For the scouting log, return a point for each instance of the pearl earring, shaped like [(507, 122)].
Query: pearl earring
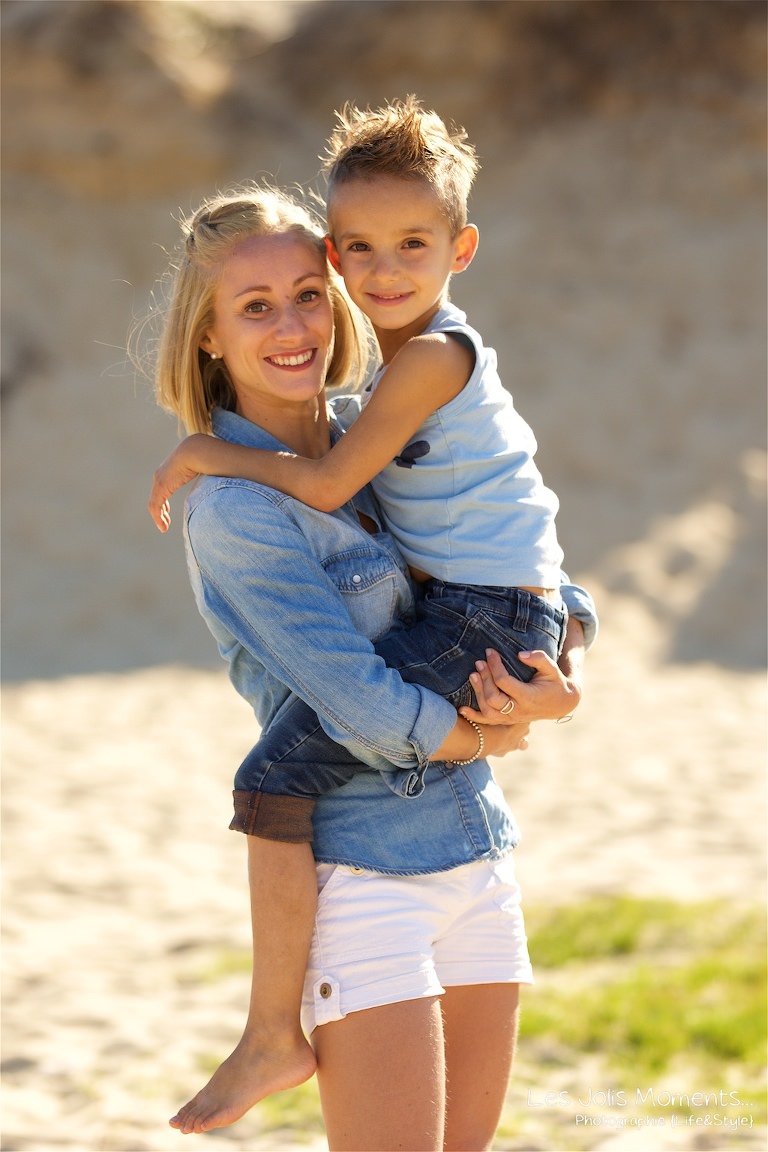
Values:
[(214, 356)]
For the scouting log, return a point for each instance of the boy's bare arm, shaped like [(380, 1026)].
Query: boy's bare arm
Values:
[(424, 375), (194, 456), (427, 373)]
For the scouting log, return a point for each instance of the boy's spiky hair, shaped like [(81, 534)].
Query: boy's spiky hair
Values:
[(403, 139)]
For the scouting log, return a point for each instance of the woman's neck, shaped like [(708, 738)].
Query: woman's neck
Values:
[(301, 427)]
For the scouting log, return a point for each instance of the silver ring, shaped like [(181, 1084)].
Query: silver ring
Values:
[(505, 711)]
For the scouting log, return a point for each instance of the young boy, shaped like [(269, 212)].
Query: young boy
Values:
[(449, 458)]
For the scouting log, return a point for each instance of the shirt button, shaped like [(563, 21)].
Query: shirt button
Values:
[(325, 991), (356, 579), (355, 870)]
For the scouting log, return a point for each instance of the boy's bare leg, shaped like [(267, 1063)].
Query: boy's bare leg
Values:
[(273, 1053)]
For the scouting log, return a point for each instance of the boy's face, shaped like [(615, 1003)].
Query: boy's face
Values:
[(391, 241)]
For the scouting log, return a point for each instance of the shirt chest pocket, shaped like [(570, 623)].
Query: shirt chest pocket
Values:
[(369, 583)]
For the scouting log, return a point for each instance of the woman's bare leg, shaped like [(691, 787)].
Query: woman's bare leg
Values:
[(272, 1054), (382, 1078), (480, 1025)]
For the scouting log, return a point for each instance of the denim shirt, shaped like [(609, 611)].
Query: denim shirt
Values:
[(294, 598)]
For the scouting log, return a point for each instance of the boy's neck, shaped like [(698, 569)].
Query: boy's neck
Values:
[(391, 340)]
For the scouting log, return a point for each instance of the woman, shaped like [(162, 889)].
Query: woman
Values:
[(418, 946)]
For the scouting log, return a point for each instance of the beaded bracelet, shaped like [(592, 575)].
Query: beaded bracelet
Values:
[(481, 745)]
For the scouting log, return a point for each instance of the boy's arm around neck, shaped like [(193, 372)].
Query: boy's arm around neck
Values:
[(425, 374)]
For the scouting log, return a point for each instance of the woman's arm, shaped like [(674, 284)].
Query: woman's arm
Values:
[(464, 742), (271, 604), (264, 580), (580, 607), (428, 372)]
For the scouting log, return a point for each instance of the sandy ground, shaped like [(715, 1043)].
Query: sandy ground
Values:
[(123, 890)]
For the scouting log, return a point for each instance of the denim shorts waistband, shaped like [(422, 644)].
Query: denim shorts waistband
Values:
[(439, 588)]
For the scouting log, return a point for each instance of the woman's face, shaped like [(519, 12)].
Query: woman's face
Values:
[(273, 322)]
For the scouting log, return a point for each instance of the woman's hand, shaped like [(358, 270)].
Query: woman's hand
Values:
[(176, 470), (503, 739), (552, 694)]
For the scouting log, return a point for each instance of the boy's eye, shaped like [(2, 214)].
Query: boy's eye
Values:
[(413, 243), (357, 246)]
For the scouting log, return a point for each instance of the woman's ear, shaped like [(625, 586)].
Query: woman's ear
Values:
[(465, 247), (207, 345), (333, 256)]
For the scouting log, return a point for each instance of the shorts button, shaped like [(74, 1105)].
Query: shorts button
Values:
[(325, 991), (355, 870), (356, 579)]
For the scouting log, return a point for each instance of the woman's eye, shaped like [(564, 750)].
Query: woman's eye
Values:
[(309, 296), (256, 306)]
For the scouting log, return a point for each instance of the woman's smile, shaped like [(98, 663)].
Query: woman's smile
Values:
[(293, 359)]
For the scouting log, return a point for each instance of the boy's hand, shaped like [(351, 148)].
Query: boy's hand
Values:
[(174, 472)]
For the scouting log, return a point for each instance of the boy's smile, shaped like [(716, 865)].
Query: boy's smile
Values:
[(391, 241)]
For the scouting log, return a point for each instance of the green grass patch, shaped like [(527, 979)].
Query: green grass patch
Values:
[(652, 985), (227, 962), (610, 927), (296, 1108)]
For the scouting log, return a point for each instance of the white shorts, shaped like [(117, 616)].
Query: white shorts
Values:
[(382, 939)]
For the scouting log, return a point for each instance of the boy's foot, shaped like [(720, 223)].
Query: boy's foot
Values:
[(245, 1077)]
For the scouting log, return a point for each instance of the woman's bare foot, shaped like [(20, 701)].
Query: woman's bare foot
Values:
[(247, 1076)]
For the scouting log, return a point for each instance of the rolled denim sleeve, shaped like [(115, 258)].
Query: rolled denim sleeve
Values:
[(581, 607), (267, 597)]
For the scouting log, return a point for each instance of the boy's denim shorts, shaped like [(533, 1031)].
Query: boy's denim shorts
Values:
[(383, 939), (455, 624)]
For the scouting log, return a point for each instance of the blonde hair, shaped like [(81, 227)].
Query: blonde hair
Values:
[(188, 382), (402, 139)]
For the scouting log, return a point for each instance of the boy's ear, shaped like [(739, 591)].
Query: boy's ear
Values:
[(333, 256), (465, 247)]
